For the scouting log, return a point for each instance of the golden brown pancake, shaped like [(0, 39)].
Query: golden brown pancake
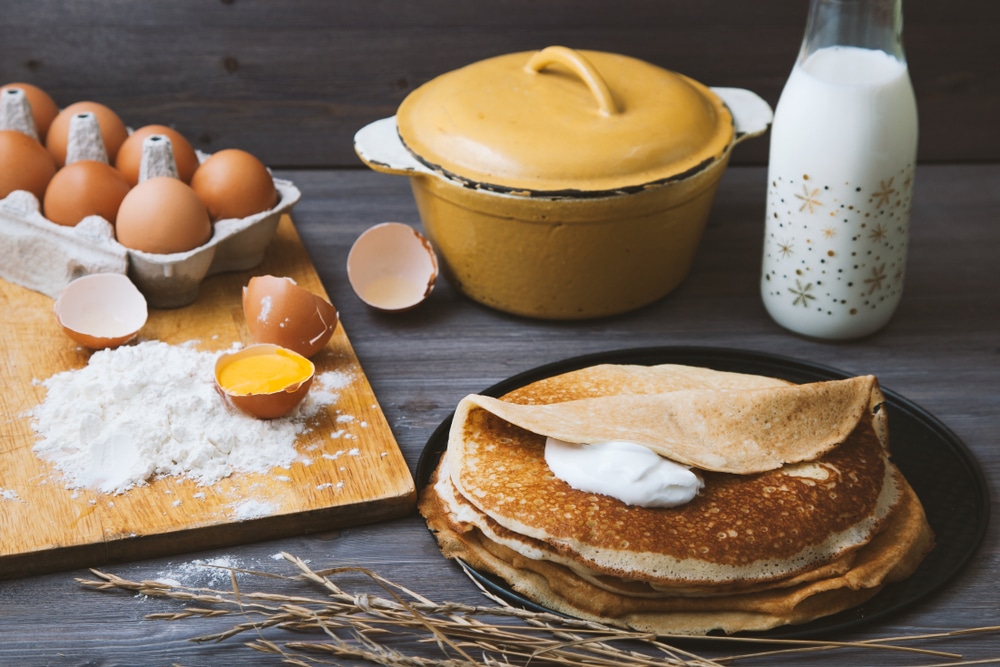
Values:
[(740, 528), (799, 498), (461, 516), (893, 555)]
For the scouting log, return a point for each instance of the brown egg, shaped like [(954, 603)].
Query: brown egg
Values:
[(24, 164), (392, 267), (113, 130), (264, 381), (129, 158), (279, 311), (101, 310), (234, 184), (43, 107), (87, 187), (162, 215)]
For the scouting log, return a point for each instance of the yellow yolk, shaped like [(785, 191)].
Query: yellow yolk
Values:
[(265, 373)]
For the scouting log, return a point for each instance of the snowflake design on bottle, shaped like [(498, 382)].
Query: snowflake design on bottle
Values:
[(837, 248)]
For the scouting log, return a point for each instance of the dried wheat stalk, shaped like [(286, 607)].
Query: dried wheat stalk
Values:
[(376, 629)]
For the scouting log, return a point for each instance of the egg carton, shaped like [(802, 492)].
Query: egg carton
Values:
[(45, 257)]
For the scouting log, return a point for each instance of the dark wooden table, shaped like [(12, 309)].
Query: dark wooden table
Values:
[(941, 351)]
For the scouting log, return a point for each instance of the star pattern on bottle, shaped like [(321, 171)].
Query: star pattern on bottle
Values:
[(802, 295), (809, 199), (829, 232), (878, 234), (884, 195), (785, 248), (877, 278)]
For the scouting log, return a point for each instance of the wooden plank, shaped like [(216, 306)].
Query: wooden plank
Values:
[(51, 527), (293, 81)]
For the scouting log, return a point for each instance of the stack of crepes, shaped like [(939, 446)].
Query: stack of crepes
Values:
[(802, 513)]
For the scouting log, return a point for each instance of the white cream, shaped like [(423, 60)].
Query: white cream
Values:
[(633, 474)]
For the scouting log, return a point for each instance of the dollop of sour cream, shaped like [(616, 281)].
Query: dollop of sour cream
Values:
[(633, 474)]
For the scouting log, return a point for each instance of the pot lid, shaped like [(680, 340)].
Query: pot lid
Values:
[(565, 121)]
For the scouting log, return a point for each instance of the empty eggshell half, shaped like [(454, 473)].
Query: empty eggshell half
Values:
[(392, 267), (101, 310), (264, 381), (279, 311)]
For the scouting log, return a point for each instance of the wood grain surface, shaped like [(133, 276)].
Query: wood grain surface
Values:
[(292, 81), (941, 350), (51, 527)]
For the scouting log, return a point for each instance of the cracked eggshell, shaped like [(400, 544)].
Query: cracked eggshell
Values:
[(279, 311), (264, 404), (101, 310), (392, 267)]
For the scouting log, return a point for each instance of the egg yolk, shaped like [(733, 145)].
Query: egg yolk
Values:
[(265, 373)]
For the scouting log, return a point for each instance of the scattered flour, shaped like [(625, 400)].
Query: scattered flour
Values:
[(9, 494), (330, 485), (151, 409), (213, 573), (251, 508)]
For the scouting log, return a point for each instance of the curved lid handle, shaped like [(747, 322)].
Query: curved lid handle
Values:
[(580, 66)]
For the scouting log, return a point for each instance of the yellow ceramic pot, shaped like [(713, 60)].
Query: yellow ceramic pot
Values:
[(564, 184)]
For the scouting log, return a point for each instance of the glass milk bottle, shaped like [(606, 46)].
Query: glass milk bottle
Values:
[(840, 175)]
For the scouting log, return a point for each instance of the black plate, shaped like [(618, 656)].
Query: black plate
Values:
[(941, 469)]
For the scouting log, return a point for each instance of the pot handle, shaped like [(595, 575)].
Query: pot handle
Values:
[(379, 146), (561, 55), (752, 115)]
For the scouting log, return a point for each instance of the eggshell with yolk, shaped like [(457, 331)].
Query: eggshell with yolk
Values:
[(267, 404), (279, 311)]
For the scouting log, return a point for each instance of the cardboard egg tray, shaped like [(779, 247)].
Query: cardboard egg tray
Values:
[(44, 256)]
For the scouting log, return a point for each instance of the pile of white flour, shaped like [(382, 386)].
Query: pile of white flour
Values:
[(151, 409)]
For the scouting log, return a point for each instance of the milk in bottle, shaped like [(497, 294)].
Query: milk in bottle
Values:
[(840, 175)]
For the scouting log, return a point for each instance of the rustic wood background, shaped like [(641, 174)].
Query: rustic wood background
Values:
[(292, 80)]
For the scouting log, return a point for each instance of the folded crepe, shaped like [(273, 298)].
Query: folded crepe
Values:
[(802, 513), (740, 431)]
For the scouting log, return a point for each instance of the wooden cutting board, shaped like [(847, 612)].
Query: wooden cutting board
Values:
[(46, 527)]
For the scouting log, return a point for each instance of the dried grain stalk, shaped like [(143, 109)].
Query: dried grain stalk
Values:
[(394, 629)]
